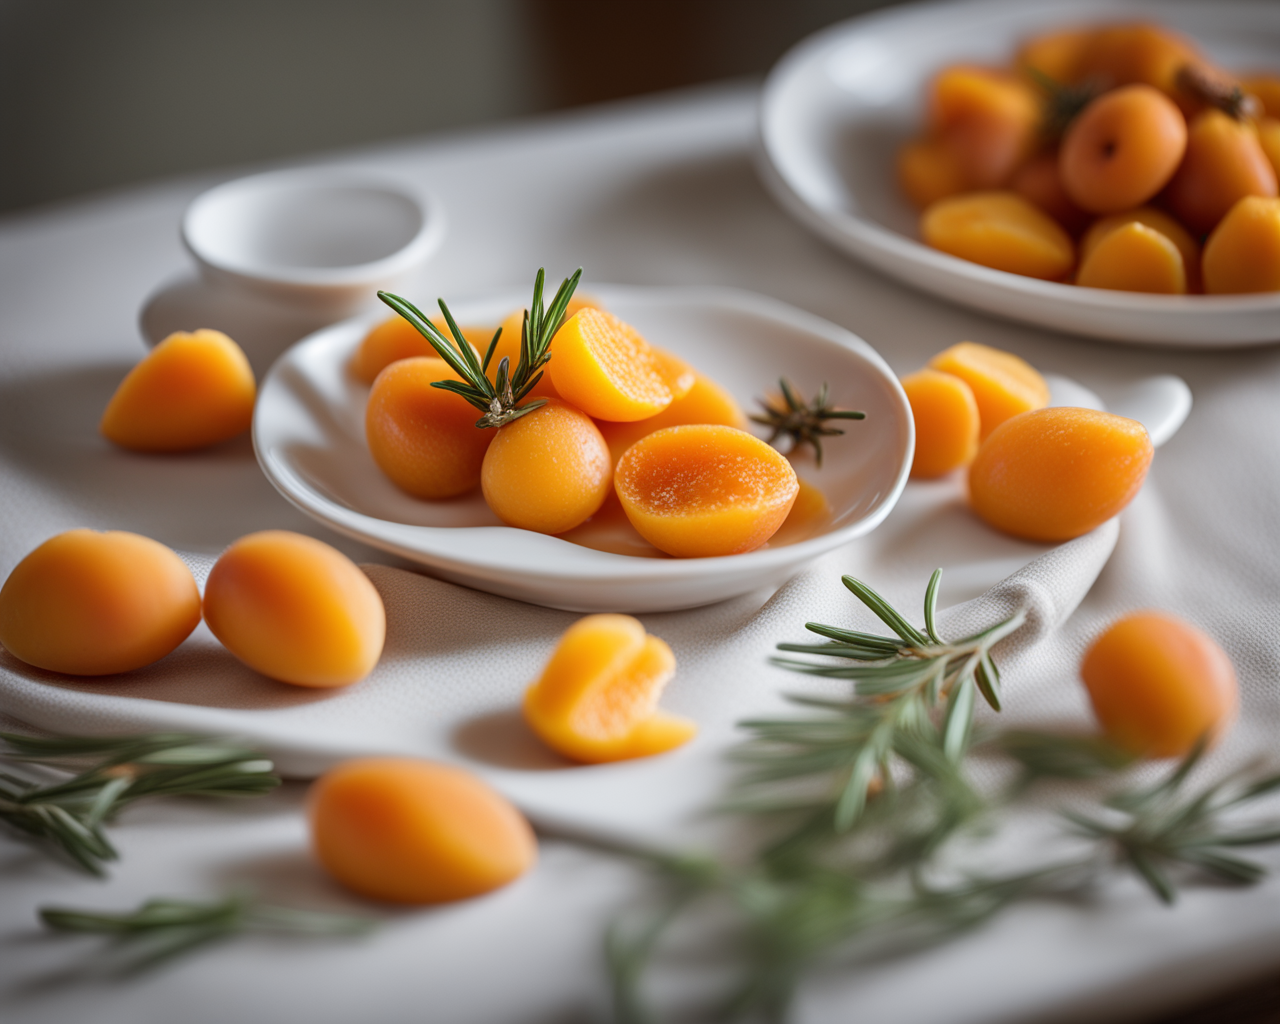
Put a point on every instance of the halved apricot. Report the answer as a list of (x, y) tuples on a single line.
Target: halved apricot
[(1002, 230), (705, 402), (946, 419), (1243, 253), (509, 344), (1003, 385), (605, 368), (700, 491), (1152, 218), (190, 391), (1134, 258), (396, 339), (1224, 163), (597, 698)]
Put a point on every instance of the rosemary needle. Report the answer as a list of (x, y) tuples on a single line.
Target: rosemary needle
[(804, 422)]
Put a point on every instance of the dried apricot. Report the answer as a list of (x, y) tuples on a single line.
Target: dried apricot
[(1003, 385), (1000, 230), (1054, 474), (605, 368), (508, 346), (91, 604), (705, 402), (409, 831), (396, 339), (1266, 87), (190, 391), (1057, 56), (1040, 181), (1269, 139), (547, 471), (597, 698), (295, 609), (1152, 218), (1243, 253), (928, 171), (1136, 53), (986, 118), (946, 419), (1159, 685), (1134, 258), (701, 490), (1224, 163)]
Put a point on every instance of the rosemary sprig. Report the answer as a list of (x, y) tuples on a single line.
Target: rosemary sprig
[(164, 928), (61, 790), (500, 398), (1063, 103), (805, 422)]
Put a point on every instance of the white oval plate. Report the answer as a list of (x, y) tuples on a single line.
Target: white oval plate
[(836, 109), (308, 432)]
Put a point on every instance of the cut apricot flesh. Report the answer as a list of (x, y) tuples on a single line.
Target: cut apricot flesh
[(1003, 385), (547, 471), (946, 419), (605, 368), (1134, 258), (1054, 474), (414, 832), (597, 698), (295, 609), (705, 402), (1159, 685), (701, 490), (1243, 253), (424, 438), (90, 604), (190, 391), (397, 339), (1001, 230)]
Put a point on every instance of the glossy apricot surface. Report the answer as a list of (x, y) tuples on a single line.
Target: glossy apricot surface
[(1134, 258), (1002, 230), (414, 832), (510, 340), (548, 471), (1003, 384), (1159, 685), (1155, 218), (1224, 163), (700, 490), (90, 604), (190, 391), (705, 402), (1122, 149), (295, 609), (986, 118), (1054, 474), (396, 339), (604, 367), (1243, 253), (597, 698), (946, 419), (424, 438)]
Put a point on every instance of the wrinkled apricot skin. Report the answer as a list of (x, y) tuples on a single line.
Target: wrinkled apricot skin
[(702, 491), (1134, 258), (424, 438), (946, 419), (1001, 230), (597, 698), (91, 604), (1243, 253), (1054, 474), (986, 119), (1224, 163), (548, 471), (1159, 685), (1122, 149), (705, 402), (1002, 384), (190, 391), (295, 609), (396, 339), (1153, 218), (413, 832), (605, 368)]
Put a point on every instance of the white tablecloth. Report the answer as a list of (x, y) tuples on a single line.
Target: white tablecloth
[(656, 192)]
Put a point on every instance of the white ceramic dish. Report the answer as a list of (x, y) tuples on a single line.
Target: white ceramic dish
[(309, 436), (837, 107)]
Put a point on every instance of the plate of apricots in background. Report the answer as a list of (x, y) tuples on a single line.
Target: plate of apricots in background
[(1102, 167), (624, 474)]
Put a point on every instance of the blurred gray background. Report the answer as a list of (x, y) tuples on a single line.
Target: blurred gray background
[(96, 94)]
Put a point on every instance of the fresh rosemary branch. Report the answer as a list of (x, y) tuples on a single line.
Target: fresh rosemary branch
[(804, 422), (61, 790), (165, 928), (500, 398)]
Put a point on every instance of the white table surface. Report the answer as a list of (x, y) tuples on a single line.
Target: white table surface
[(654, 192)]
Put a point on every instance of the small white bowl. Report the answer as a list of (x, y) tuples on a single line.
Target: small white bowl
[(308, 432), (836, 109)]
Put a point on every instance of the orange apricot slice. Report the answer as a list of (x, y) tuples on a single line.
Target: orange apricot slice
[(1243, 253), (414, 832), (424, 438), (548, 471), (1001, 230), (946, 419), (1054, 474), (509, 344), (1224, 163), (1152, 218), (396, 339), (91, 604), (705, 402), (702, 490), (1003, 385), (295, 609), (1159, 685), (1134, 258), (597, 698), (605, 368), (190, 391)]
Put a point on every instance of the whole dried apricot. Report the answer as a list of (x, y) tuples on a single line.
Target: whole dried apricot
[(946, 419), (1002, 230), (1054, 474), (396, 339), (1134, 258), (409, 831), (91, 604), (1159, 685), (928, 170), (1152, 218), (1243, 253), (1003, 385), (986, 118), (1224, 163)]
